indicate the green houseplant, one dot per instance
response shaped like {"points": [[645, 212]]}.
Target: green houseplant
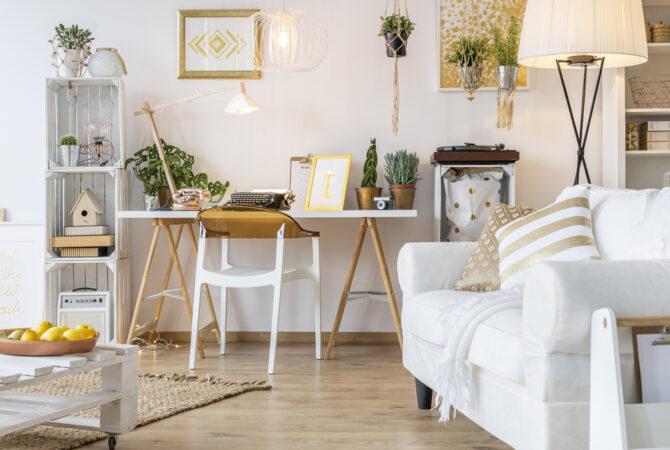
{"points": [[369, 190], [147, 167], [505, 49], [69, 150], [402, 173], [468, 55], [71, 49], [396, 29]]}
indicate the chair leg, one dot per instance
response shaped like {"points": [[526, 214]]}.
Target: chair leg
{"points": [[424, 395], [194, 324], [275, 326], [223, 325]]}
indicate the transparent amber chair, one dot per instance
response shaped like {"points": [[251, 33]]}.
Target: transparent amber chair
{"points": [[248, 222]]}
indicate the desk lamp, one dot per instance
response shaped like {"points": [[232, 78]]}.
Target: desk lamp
{"points": [[188, 199], [582, 34]]}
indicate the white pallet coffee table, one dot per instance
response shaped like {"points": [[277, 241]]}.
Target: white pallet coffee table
{"points": [[117, 398]]}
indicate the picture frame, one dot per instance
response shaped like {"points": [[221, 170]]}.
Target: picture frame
{"points": [[328, 183], [446, 32], [212, 44]]}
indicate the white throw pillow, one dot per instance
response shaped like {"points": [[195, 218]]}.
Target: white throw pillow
{"points": [[560, 232]]}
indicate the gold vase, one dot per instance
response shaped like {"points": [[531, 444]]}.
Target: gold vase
{"points": [[165, 197], [403, 195], [366, 195]]}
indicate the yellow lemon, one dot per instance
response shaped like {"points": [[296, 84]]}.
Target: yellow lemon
{"points": [[30, 335], [52, 334], [42, 327], [87, 330], [64, 328], [72, 335]]}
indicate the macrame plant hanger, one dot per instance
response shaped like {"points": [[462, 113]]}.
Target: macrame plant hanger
{"points": [[395, 50], [507, 81], [469, 76]]}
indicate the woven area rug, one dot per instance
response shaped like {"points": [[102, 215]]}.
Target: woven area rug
{"points": [[160, 396]]}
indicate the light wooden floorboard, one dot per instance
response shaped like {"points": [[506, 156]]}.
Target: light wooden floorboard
{"points": [[362, 398]]}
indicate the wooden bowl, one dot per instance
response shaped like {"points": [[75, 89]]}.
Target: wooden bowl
{"points": [[46, 348]]}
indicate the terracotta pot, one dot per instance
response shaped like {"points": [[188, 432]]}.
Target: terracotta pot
{"points": [[403, 195], [165, 196], [366, 195]]}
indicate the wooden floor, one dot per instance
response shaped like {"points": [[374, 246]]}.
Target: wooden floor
{"points": [[362, 398]]}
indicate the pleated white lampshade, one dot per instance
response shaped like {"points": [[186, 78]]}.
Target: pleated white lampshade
{"points": [[558, 29]]}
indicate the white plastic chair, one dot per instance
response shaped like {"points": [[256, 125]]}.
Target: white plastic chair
{"points": [[247, 222], [613, 425]]}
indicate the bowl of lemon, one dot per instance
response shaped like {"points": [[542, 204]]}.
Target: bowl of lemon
{"points": [[46, 339]]}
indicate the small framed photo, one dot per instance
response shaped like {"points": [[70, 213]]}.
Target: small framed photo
{"points": [[328, 183], [216, 43]]}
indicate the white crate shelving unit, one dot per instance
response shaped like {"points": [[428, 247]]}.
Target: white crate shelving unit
{"points": [[71, 103], [634, 169]]}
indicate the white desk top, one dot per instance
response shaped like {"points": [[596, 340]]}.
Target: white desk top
{"points": [[345, 214]]}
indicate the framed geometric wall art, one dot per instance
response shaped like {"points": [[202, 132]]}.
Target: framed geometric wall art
{"points": [[453, 21], [215, 43]]}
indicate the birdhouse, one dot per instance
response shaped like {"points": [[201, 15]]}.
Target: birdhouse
{"points": [[86, 210]]}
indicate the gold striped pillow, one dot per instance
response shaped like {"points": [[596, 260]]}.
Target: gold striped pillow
{"points": [[560, 232]]}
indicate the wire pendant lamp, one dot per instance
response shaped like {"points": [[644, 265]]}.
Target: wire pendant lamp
{"points": [[287, 40]]}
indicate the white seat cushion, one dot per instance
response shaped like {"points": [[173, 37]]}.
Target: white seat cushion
{"points": [[496, 344]]}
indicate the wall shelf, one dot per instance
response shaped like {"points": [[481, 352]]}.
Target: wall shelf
{"points": [[659, 48], [647, 111], [648, 153], [655, 2]]}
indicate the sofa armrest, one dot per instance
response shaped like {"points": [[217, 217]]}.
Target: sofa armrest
{"points": [[560, 297], [429, 266]]}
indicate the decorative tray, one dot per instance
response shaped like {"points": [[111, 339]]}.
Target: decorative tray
{"points": [[46, 348]]}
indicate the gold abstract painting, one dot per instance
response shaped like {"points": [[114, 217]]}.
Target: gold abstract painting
{"points": [[216, 44], [476, 20]]}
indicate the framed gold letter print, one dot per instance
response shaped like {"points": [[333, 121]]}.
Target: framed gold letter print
{"points": [[216, 44], [328, 182]]}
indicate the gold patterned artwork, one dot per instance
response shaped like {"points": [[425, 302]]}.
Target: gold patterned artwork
{"points": [[216, 44], [454, 22]]}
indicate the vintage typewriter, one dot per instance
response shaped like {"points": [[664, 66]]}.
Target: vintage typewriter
{"points": [[264, 198]]}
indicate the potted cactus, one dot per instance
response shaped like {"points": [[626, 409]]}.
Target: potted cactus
{"points": [[401, 172], [69, 150], [368, 190]]}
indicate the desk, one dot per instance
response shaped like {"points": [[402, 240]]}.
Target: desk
{"points": [[368, 222]]}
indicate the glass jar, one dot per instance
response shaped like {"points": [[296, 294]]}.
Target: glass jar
{"points": [[632, 141]]}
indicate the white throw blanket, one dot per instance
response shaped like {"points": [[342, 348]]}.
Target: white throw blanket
{"points": [[454, 377]]}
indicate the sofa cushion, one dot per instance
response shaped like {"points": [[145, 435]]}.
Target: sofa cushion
{"points": [[631, 224], [497, 342]]}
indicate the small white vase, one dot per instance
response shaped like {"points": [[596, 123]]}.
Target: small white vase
{"points": [[71, 66], [106, 62]]}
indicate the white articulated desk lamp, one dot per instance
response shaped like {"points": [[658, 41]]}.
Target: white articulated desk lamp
{"points": [[239, 104]]}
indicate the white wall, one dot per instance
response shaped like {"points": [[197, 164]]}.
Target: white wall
{"points": [[333, 109]]}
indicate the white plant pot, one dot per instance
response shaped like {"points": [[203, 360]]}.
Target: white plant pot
{"points": [[151, 202], [69, 155]]}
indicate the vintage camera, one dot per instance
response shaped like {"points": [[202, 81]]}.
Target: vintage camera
{"points": [[384, 203]]}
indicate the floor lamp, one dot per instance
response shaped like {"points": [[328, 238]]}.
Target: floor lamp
{"points": [[239, 104], [582, 34]]}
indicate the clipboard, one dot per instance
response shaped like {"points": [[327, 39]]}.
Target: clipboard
{"points": [[299, 175]]}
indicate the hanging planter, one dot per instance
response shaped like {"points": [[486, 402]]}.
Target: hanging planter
{"points": [[505, 50], [468, 56], [396, 29]]}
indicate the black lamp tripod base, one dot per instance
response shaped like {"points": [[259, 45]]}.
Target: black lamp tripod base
{"points": [[582, 134]]}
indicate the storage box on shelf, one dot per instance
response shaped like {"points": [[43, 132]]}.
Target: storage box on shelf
{"points": [[86, 108]]}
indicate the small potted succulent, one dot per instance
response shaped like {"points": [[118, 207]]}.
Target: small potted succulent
{"points": [[71, 49], [401, 173], [468, 55], [368, 190], [396, 29], [148, 168], [69, 150], [505, 49]]}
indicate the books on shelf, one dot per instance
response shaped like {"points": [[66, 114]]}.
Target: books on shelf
{"points": [[87, 230], [658, 125]]}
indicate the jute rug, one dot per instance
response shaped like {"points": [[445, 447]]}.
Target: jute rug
{"points": [[160, 396]]}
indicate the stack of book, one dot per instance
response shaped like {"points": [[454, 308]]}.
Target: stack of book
{"points": [[84, 241], [655, 135]]}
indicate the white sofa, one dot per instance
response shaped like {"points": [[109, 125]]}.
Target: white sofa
{"points": [[531, 365]]}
